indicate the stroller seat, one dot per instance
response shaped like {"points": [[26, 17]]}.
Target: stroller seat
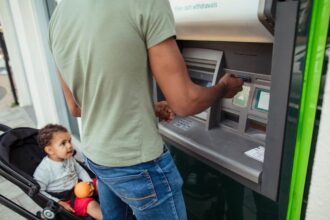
{"points": [[19, 157]]}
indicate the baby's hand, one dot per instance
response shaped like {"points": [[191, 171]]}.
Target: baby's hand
{"points": [[164, 112], [66, 206]]}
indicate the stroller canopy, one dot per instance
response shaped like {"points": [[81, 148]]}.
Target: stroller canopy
{"points": [[20, 151]]}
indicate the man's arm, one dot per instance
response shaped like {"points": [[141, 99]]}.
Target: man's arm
{"points": [[70, 101], [183, 96]]}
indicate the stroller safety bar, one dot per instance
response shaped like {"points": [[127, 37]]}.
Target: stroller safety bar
{"points": [[18, 179]]}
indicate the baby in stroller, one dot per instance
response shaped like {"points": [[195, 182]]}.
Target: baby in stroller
{"points": [[59, 172]]}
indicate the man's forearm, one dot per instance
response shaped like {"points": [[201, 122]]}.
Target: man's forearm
{"points": [[203, 97]]}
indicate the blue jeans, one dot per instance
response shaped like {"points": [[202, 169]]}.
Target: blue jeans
{"points": [[153, 190]]}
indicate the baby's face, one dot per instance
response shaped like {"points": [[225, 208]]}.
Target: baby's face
{"points": [[61, 146]]}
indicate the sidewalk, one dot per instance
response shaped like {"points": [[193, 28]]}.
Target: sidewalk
{"points": [[15, 117]]}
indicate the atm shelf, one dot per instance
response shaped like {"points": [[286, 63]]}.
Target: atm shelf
{"points": [[223, 148]]}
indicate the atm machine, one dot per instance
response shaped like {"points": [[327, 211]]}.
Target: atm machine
{"points": [[241, 137]]}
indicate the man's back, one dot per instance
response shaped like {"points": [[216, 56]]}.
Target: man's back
{"points": [[100, 47]]}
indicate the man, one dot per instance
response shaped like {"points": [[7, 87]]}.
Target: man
{"points": [[103, 50]]}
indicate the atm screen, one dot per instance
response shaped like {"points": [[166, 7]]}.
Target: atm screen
{"points": [[261, 100], [202, 82]]}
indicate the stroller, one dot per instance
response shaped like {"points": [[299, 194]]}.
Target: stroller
{"points": [[19, 157]]}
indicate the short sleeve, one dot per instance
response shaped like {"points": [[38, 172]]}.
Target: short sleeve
{"points": [[157, 22]]}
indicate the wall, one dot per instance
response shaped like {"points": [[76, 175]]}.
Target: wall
{"points": [[26, 28]]}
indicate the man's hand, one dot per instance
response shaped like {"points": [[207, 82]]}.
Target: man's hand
{"points": [[231, 84], [92, 188], [164, 112], [66, 206]]}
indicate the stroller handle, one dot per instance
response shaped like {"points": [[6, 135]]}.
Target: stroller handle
{"points": [[4, 128]]}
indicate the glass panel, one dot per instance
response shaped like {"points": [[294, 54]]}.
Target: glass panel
{"points": [[211, 195]]}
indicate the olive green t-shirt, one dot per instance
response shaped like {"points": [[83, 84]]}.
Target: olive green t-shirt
{"points": [[100, 47]]}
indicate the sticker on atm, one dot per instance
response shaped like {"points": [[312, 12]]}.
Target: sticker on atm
{"points": [[241, 99], [262, 100], [257, 153]]}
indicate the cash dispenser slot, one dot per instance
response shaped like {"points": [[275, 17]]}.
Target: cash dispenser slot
{"points": [[256, 129], [230, 119]]}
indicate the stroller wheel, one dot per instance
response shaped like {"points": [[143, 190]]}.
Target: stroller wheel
{"points": [[48, 214]]}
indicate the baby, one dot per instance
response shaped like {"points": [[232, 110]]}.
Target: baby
{"points": [[58, 172]]}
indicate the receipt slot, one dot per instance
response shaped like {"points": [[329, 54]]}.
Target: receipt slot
{"points": [[241, 137]]}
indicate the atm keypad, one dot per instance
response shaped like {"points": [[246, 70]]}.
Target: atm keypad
{"points": [[184, 124]]}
